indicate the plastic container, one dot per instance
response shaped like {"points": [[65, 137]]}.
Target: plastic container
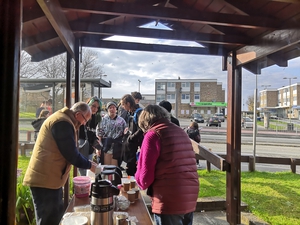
{"points": [[82, 185], [78, 220]]}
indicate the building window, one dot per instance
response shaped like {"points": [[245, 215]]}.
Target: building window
{"points": [[171, 85], [170, 97], [185, 96], [185, 84], [159, 98], [161, 86], [197, 86], [197, 98]]}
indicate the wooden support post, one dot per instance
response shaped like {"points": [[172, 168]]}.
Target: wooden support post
{"points": [[208, 166], [23, 150], [233, 157], [293, 165], [10, 45], [28, 135], [251, 164]]}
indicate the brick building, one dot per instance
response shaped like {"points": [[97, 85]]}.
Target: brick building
{"points": [[283, 102], [187, 96]]}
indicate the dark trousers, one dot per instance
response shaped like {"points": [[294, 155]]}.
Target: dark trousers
{"points": [[184, 219], [131, 168], [48, 205]]}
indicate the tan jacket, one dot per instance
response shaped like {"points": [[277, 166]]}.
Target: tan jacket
{"points": [[47, 167]]}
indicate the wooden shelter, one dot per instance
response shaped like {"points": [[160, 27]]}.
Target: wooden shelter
{"points": [[250, 34]]}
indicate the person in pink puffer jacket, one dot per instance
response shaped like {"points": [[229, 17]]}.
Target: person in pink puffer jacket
{"points": [[167, 168]]}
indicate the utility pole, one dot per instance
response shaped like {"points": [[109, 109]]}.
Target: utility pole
{"points": [[290, 106], [139, 85]]}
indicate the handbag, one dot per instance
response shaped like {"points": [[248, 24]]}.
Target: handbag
{"points": [[84, 145]]}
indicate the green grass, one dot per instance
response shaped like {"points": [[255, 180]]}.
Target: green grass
{"points": [[277, 125], [273, 197], [27, 115]]}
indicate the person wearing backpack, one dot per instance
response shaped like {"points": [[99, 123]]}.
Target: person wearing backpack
{"points": [[133, 135], [194, 134]]}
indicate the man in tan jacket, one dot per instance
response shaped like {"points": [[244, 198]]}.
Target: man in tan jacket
{"points": [[54, 152]]}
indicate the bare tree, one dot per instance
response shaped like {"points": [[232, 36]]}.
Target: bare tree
{"points": [[89, 67], [55, 67], [250, 103], [28, 69]]}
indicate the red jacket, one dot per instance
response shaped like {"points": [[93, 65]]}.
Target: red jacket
{"points": [[175, 187]]}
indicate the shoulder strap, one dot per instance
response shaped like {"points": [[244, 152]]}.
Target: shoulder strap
{"points": [[135, 116]]}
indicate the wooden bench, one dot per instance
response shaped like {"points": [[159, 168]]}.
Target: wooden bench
{"points": [[25, 146]]}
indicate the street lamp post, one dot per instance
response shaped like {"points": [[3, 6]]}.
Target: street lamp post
{"points": [[290, 86], [266, 86], [139, 85], [100, 89]]}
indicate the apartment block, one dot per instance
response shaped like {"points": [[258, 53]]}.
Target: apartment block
{"points": [[283, 102], [187, 96]]}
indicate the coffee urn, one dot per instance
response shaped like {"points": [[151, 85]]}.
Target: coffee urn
{"points": [[102, 202], [111, 175]]}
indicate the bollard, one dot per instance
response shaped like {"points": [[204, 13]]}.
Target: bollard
{"points": [[293, 165], [28, 135], [251, 163]]}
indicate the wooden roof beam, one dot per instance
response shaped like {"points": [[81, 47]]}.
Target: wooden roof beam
{"points": [[49, 54], [268, 44], [32, 13], [181, 15], [97, 43], [28, 41], [158, 34], [56, 17]]}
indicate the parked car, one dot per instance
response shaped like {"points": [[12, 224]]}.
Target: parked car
{"points": [[213, 121], [220, 116], [198, 118], [247, 122]]}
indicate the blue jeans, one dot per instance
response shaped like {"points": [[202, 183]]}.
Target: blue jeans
{"points": [[181, 219], [48, 205]]}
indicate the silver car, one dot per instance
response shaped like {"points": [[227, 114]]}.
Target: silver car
{"points": [[247, 122], [220, 116]]}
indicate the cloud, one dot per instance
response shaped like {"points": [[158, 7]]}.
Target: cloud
{"points": [[124, 68]]}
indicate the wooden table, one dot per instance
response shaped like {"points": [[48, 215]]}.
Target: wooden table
{"points": [[138, 208]]}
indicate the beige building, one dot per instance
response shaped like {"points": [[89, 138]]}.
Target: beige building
{"points": [[283, 102], [187, 96]]}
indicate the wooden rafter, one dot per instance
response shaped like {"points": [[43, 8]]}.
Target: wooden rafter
{"points": [[59, 23], [173, 14]]}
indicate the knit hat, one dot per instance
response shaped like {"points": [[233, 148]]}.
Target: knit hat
{"points": [[111, 103], [165, 104]]}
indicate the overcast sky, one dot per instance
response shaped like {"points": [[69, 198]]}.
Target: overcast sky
{"points": [[125, 68]]}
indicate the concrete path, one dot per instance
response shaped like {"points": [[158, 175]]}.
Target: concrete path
{"points": [[210, 218]]}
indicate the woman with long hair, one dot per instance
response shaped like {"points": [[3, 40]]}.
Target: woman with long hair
{"points": [[89, 130]]}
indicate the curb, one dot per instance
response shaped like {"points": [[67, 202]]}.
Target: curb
{"points": [[214, 204]]}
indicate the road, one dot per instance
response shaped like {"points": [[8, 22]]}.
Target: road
{"points": [[215, 139], [267, 144]]}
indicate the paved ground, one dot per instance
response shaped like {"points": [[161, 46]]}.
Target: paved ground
{"points": [[210, 218]]}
